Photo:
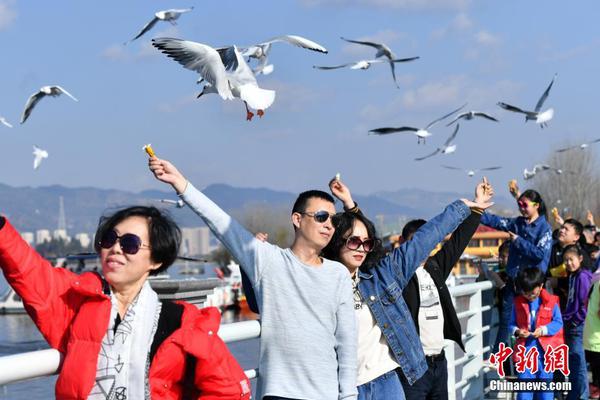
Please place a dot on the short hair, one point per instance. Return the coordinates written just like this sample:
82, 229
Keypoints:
575, 224
163, 232
530, 278
411, 227
505, 246
302, 200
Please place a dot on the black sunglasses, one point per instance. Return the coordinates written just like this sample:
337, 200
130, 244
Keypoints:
130, 243
321, 216
354, 242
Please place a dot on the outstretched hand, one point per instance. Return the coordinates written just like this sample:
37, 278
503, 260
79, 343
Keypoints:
513, 188
484, 191
479, 205
166, 172
341, 192
262, 236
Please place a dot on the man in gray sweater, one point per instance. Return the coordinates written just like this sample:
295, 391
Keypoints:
308, 332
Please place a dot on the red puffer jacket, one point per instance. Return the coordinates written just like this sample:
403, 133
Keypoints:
72, 312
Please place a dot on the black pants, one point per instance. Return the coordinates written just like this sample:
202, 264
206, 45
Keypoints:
593, 358
433, 385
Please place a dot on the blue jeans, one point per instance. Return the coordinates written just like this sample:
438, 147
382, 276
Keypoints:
539, 375
385, 387
433, 385
508, 297
578, 368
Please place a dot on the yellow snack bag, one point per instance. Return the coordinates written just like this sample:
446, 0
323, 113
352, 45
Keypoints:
560, 271
149, 150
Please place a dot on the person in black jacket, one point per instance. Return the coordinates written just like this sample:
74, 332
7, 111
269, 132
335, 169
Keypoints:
431, 308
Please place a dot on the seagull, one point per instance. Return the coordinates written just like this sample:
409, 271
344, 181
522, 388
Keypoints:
582, 146
541, 118
447, 148
469, 115
421, 133
471, 172
165, 15
364, 64
39, 156
224, 70
382, 51
53, 91
261, 51
537, 168
5, 122
177, 203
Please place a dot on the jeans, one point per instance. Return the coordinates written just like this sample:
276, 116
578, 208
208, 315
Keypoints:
385, 387
578, 368
433, 385
539, 375
508, 297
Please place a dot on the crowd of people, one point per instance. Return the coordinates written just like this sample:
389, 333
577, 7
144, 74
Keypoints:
340, 317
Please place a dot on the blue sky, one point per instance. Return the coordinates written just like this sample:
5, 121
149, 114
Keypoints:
476, 51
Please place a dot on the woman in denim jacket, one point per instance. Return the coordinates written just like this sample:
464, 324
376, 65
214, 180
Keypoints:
387, 336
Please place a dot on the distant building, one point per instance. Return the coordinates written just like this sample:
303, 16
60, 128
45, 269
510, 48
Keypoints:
42, 235
195, 241
83, 239
59, 234
29, 237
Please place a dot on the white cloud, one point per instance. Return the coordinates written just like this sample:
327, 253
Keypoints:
395, 4
461, 22
485, 38
8, 14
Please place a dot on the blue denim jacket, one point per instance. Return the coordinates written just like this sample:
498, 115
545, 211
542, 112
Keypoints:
532, 247
381, 288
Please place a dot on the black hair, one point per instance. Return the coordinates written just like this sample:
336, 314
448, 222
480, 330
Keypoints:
411, 227
578, 226
344, 222
302, 200
536, 198
504, 246
573, 248
530, 278
590, 227
164, 234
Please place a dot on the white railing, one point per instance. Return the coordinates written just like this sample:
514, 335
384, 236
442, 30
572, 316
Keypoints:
465, 373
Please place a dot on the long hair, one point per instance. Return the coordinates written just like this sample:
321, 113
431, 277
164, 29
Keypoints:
344, 222
534, 196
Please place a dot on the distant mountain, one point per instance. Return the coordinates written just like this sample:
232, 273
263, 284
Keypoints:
31, 209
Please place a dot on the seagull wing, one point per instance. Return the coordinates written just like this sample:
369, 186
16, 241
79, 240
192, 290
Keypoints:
39, 155
228, 57
200, 58
298, 41
452, 137
428, 155
508, 107
567, 148
445, 116
5, 122
323, 67
595, 141
484, 115
145, 29
393, 67
452, 168
386, 131
542, 99
399, 60
459, 116
378, 46
489, 168
31, 102
63, 90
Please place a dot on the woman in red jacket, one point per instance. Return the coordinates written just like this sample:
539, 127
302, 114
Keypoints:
117, 339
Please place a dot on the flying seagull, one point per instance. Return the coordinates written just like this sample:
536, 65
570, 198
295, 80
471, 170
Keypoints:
447, 148
53, 91
4, 122
382, 51
261, 51
224, 70
582, 146
421, 133
471, 172
177, 203
165, 15
363, 64
469, 115
540, 117
39, 156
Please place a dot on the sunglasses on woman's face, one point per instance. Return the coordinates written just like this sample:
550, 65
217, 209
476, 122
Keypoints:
130, 243
320, 216
354, 243
524, 203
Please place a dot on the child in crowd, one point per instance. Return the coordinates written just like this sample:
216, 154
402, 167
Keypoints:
536, 322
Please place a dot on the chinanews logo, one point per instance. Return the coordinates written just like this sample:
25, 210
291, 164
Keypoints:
527, 361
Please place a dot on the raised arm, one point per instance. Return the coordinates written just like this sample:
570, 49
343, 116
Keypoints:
242, 245
346, 342
499, 223
41, 286
537, 251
